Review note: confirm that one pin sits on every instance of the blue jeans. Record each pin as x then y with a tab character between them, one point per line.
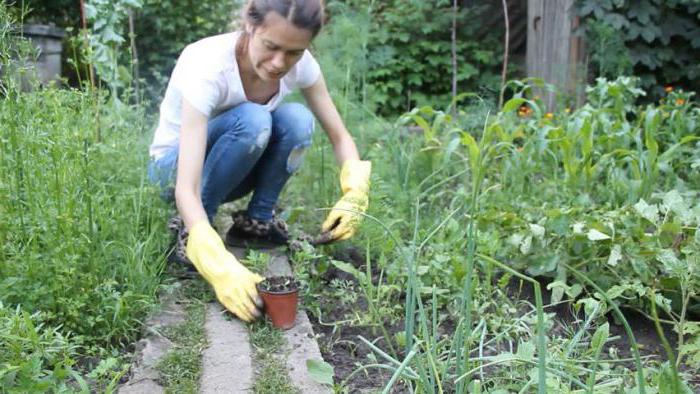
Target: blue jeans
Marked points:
248	149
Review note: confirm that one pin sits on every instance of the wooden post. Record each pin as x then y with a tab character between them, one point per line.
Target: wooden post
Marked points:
554	53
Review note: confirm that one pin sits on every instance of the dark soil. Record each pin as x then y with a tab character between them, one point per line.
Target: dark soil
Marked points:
339	342
341	347
642	328
278	284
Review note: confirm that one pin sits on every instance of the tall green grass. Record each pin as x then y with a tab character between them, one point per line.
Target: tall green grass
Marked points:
83	235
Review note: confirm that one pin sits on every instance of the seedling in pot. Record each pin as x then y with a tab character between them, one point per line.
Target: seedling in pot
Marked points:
280	295
279	284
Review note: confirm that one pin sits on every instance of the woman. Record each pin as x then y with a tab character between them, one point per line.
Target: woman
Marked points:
224	131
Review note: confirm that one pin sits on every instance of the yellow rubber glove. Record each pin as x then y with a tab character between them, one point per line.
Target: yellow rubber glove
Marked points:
233	283
341	223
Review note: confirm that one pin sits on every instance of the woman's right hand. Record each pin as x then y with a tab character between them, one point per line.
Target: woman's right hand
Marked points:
234	284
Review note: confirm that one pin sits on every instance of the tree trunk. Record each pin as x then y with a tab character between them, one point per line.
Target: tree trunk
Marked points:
554	53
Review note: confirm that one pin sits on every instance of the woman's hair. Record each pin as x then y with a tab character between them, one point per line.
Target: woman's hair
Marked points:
304	14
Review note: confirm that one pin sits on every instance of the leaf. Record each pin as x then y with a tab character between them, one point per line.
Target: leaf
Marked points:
600	336
670	262
663	302
650	32
595	235
537	230
615	255
320	371
590	305
558	292
616	20
673	202
513	104
526	351
474	152
616	291
526	244
642	12
451	147
420	121
350	269
648	212
543	264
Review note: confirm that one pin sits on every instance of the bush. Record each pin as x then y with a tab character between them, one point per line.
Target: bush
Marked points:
164	28
658	41
399	54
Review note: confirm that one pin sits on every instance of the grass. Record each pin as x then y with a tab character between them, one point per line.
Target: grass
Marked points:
81	238
180	368
269	359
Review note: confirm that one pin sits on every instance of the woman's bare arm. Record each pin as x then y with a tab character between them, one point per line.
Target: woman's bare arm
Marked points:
193	144
322	106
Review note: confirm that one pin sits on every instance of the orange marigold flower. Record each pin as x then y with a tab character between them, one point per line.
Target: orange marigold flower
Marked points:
668	89
524	110
680	101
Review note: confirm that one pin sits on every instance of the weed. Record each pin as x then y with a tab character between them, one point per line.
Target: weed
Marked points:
180	368
269	359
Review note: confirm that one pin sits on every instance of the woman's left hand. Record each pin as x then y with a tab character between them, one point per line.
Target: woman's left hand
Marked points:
345	216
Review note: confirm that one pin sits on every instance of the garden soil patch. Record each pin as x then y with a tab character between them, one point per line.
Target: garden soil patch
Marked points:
341	347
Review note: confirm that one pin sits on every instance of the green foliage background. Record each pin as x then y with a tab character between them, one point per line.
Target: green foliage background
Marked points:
406	54
655	40
164	27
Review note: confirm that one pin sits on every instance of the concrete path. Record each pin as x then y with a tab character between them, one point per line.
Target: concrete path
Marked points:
227	365
227	361
153	347
301	343
301	347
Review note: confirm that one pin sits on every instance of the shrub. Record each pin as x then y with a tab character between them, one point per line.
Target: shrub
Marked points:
657	41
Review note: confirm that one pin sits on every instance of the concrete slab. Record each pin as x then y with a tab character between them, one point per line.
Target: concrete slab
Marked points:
227	360
152	348
301	343
301	347
147	386
278	264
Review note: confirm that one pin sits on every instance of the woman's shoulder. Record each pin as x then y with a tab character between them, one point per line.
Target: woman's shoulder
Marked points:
305	72
217	42
215	50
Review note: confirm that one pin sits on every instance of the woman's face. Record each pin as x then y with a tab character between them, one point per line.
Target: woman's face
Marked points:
276	46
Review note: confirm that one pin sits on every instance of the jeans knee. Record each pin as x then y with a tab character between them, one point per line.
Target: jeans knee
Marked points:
294	122
251	124
296	157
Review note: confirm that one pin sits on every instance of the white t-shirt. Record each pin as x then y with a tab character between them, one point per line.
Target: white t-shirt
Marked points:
206	74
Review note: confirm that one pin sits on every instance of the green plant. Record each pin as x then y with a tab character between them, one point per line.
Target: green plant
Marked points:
15	51
268	343
164	28
79	215
557	202
180	368
107	41
34	357
656	40
403	66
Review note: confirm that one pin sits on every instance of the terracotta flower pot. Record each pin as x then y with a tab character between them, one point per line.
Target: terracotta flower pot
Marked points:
280	306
